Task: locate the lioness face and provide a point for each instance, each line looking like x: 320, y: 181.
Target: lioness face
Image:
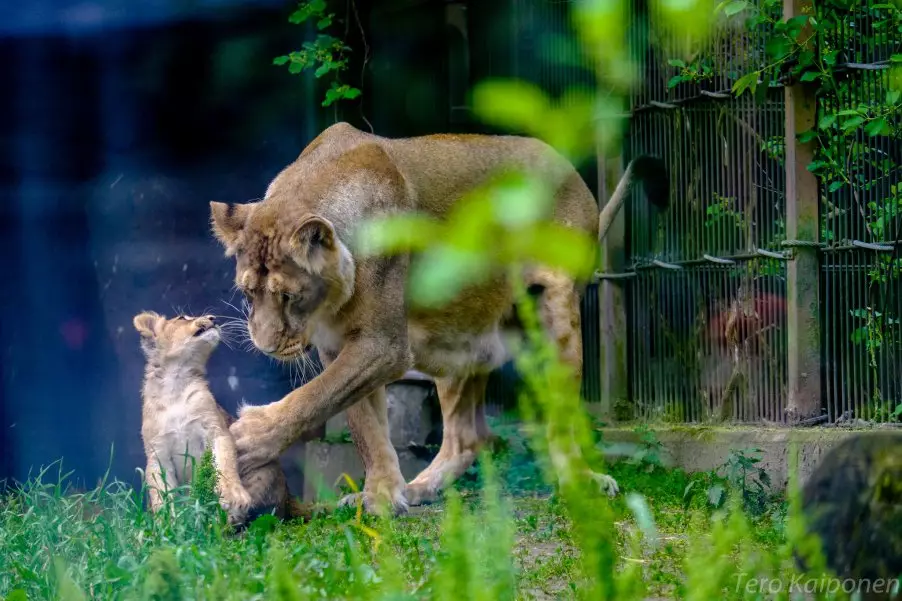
x: 292, y: 273
x: 185, y: 338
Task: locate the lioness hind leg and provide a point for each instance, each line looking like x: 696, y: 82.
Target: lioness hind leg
x: 464, y: 432
x: 559, y: 311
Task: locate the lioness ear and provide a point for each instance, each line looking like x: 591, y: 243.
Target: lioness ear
x: 311, y: 242
x: 145, y: 323
x: 228, y: 220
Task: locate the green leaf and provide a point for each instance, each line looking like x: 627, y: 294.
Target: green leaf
x: 397, y: 234
x: 322, y: 70
x: 511, y: 104
x: 826, y: 122
x: 295, y: 68
x: 675, y: 62
x: 896, y: 58
x: 556, y: 246
x: 735, y: 7
x: 807, y: 136
x: 351, y: 93
x: 848, y: 112
x: 67, y: 590
x: 778, y: 47
x: 860, y: 335
x: 877, y: 127
x: 810, y: 76
x: 323, y: 23
x: 852, y: 123
x: 716, y: 495
x: 893, y: 96
x: 674, y: 81
x: 441, y: 272
x: 280, y: 60
x: 644, y: 517
x: 834, y: 186
x: 19, y: 594
x: 750, y: 80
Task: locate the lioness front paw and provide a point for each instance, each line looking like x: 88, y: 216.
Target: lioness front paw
x: 259, y: 437
x: 421, y: 493
x: 375, y: 504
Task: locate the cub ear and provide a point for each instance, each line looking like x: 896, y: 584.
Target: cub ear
x: 227, y: 221
x: 311, y: 242
x: 145, y: 323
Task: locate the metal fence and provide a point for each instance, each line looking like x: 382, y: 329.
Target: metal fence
x: 726, y: 319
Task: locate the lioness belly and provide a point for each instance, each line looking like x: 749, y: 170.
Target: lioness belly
x: 443, y: 353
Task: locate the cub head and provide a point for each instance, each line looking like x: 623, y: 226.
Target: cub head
x: 182, y: 338
x: 292, y: 269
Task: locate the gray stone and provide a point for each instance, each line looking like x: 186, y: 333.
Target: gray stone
x: 325, y: 463
x: 410, y: 416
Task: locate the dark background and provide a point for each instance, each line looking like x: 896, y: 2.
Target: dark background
x: 120, y: 121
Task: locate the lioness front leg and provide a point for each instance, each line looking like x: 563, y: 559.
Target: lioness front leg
x: 465, y: 432
x: 368, y: 422
x: 361, y: 368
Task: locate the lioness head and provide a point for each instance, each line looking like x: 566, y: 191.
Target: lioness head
x: 183, y: 338
x: 292, y: 269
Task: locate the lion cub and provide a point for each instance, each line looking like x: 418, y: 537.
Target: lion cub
x: 180, y: 414
x: 180, y: 417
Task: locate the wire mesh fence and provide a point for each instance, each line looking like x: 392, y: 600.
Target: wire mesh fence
x: 861, y: 224
x: 707, y: 308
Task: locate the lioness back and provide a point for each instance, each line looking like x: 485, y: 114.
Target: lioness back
x: 437, y: 170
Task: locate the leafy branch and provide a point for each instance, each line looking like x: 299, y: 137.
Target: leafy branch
x: 327, y: 55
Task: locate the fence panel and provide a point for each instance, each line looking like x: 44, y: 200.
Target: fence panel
x: 707, y: 317
x: 861, y: 222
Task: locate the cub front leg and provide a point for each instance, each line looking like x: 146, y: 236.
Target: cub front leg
x: 233, y: 497
x: 153, y: 480
x: 159, y: 477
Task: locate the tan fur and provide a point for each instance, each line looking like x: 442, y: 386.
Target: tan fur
x: 181, y: 419
x: 305, y: 287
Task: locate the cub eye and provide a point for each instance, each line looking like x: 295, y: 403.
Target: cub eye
x: 286, y: 298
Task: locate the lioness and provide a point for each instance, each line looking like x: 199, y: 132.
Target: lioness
x: 181, y: 419
x: 305, y: 287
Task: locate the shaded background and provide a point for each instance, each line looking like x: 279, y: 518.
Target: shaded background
x: 120, y: 121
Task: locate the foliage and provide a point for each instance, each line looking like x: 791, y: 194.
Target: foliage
x: 649, y: 453
x: 205, y: 480
x: 326, y: 54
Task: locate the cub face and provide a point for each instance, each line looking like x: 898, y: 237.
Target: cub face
x: 186, y: 338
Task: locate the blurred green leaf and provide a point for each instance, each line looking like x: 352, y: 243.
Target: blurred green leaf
x: 511, y: 104
x: 396, y: 234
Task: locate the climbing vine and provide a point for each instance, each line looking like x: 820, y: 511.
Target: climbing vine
x: 849, y: 55
x: 327, y: 55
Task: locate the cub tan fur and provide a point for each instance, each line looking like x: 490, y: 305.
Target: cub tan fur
x: 305, y: 287
x: 181, y: 419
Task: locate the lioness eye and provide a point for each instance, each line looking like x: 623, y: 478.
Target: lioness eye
x: 286, y: 298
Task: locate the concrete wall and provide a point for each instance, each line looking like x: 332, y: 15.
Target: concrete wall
x: 700, y: 448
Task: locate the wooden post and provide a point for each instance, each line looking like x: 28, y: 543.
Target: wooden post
x: 612, y: 295
x: 802, y: 272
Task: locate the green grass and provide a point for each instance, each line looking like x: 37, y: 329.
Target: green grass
x: 513, y: 540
